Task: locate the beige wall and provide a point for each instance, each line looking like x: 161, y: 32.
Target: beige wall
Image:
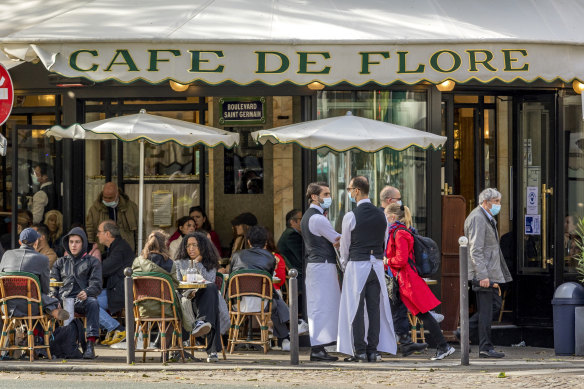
x: 503, y: 161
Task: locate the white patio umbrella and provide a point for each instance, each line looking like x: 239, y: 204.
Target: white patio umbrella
x: 344, y: 133
x: 150, y: 128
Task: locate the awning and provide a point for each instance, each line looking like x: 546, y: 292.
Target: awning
x: 299, y: 41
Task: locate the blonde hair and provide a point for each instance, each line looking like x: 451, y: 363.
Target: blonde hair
x: 401, y: 211
x: 59, y: 216
x: 156, y: 244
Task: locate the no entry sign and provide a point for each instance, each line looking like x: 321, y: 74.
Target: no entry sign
x: 6, y: 94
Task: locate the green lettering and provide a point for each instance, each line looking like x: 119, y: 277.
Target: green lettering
x: 128, y: 61
x: 472, y: 57
x: 196, y: 61
x: 154, y: 58
x: 73, y: 60
x: 262, y: 55
x: 509, y: 61
x: 304, y: 62
x: 365, y: 62
x: 403, y: 66
x: 456, y: 61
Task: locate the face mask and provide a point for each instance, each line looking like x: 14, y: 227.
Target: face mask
x: 35, y: 180
x: 399, y: 202
x: 326, y: 202
x: 352, y: 198
x: 110, y: 204
x: 495, y: 208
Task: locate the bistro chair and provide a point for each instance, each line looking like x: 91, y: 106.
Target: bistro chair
x: 250, y: 284
x: 156, y: 290
x: 417, y: 328
x: 23, y: 286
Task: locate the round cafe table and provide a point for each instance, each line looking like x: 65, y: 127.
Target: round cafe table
x: 192, y: 285
x: 55, y: 284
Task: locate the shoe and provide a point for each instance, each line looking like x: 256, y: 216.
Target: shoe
x: 357, y: 358
x: 491, y: 354
x: 286, y: 345
x: 322, y: 356
x: 410, y: 348
x: 60, y: 314
x: 201, y: 328
x: 119, y: 336
x: 108, y: 338
x: 89, y: 351
x: 441, y: 354
x: 212, y: 357
x: 374, y: 357
x: 437, y: 316
x: 302, y: 327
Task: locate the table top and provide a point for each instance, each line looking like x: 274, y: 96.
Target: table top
x: 192, y: 285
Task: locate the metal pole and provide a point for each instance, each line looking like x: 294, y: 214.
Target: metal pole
x: 141, y: 198
x: 293, y: 293
x: 129, y: 307
x: 15, y: 167
x: 464, y: 334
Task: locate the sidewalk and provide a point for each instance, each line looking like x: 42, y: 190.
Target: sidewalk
x: 518, y: 359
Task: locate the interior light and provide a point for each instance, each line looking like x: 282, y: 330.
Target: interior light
x: 315, y: 85
x: 178, y: 87
x: 578, y: 86
x: 446, y: 86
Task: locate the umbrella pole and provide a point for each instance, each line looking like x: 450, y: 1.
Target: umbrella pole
x: 141, y: 198
x: 347, y: 180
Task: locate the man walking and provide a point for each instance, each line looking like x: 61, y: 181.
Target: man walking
x: 321, y: 280
x: 486, y: 266
x: 362, y: 247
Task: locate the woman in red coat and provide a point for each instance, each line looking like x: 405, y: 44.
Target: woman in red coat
x: 413, y: 291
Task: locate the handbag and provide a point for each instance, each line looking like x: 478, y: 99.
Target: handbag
x: 392, y: 287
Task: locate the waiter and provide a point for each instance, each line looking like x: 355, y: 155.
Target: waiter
x: 321, y: 280
x: 362, y: 244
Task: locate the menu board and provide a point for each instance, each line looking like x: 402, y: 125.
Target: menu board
x: 162, y: 208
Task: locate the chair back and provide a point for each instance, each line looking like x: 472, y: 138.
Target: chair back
x: 220, y: 283
x: 247, y: 282
x: 20, y: 285
x: 154, y: 287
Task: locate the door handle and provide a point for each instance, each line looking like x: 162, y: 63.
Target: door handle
x: 545, y: 191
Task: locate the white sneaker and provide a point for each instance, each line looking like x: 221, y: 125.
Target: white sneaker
x: 302, y: 327
x: 437, y: 316
x: 212, y: 358
x: 285, y: 345
x: 441, y: 354
x: 201, y: 328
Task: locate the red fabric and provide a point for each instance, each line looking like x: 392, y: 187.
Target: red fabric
x: 174, y: 236
x: 413, y: 290
x: 280, y: 271
x: 216, y: 241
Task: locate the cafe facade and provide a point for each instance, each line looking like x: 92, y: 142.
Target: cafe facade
x: 501, y: 81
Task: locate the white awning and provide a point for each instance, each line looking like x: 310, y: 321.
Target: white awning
x: 299, y: 41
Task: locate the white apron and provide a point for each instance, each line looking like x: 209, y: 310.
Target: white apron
x: 356, y: 275
x: 323, y: 296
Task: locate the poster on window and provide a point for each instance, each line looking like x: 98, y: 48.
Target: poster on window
x: 532, y: 224
x: 162, y: 208
x: 532, y: 200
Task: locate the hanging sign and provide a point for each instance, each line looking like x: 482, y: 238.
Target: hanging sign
x: 6, y: 94
x: 243, y: 110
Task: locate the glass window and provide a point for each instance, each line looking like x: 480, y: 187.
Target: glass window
x: 404, y: 170
x: 244, y: 164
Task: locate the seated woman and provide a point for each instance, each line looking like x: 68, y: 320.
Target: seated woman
x: 202, y: 224
x: 241, y: 225
x: 54, y: 222
x: 197, y: 251
x: 185, y: 225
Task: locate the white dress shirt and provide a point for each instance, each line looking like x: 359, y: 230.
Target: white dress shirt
x: 319, y: 225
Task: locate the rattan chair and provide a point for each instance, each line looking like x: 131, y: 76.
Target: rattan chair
x: 157, y: 288
x: 250, y: 283
x: 23, y: 286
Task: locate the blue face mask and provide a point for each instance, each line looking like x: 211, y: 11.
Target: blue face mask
x: 352, y: 198
x: 399, y: 202
x: 326, y: 202
x: 495, y: 209
x: 110, y: 204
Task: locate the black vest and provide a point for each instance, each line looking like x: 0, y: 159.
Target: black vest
x: 52, y: 196
x: 369, y: 234
x: 316, y: 248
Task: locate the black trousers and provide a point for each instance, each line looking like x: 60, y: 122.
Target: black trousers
x: 399, y: 315
x: 206, y: 308
x: 488, y: 304
x: 90, y: 308
x: 370, y: 295
x: 433, y: 327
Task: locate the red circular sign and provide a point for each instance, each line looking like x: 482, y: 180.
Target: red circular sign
x: 6, y: 94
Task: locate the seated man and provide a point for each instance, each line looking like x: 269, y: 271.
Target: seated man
x: 119, y: 256
x: 258, y: 258
x: 81, y: 277
x: 26, y: 259
x: 42, y: 243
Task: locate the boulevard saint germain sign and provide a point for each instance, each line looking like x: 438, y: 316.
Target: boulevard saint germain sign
x: 330, y: 64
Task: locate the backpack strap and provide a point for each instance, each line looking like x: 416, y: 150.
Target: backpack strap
x: 411, y: 259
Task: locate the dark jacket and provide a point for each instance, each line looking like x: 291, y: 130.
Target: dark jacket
x: 80, y: 272
x: 255, y: 259
x: 26, y: 259
x: 119, y: 257
x: 151, y: 308
x: 290, y: 247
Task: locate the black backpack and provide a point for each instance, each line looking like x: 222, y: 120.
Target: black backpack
x: 426, y: 254
x: 67, y: 339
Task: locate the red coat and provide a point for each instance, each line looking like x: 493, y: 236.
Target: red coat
x: 280, y: 271
x: 413, y: 290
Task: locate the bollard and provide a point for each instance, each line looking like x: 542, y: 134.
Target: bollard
x: 464, y: 331
x: 129, y: 307
x: 293, y: 293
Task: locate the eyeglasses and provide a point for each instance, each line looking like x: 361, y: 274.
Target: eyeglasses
x: 349, y: 188
x: 395, y: 198
x: 192, y: 245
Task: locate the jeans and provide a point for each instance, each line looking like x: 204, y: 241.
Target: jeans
x: 90, y: 308
x: 105, y: 320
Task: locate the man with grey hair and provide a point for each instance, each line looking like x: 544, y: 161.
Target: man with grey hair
x: 389, y: 195
x: 118, y: 256
x: 486, y: 267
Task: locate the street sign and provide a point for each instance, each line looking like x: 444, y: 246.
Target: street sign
x: 6, y: 94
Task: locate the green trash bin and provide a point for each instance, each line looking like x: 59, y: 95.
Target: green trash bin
x: 567, y: 297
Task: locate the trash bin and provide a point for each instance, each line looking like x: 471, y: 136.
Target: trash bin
x: 566, y: 298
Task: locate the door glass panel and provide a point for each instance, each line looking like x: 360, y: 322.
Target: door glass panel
x: 490, y: 148
x: 464, y: 155
x: 536, y: 230
x: 574, y: 160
